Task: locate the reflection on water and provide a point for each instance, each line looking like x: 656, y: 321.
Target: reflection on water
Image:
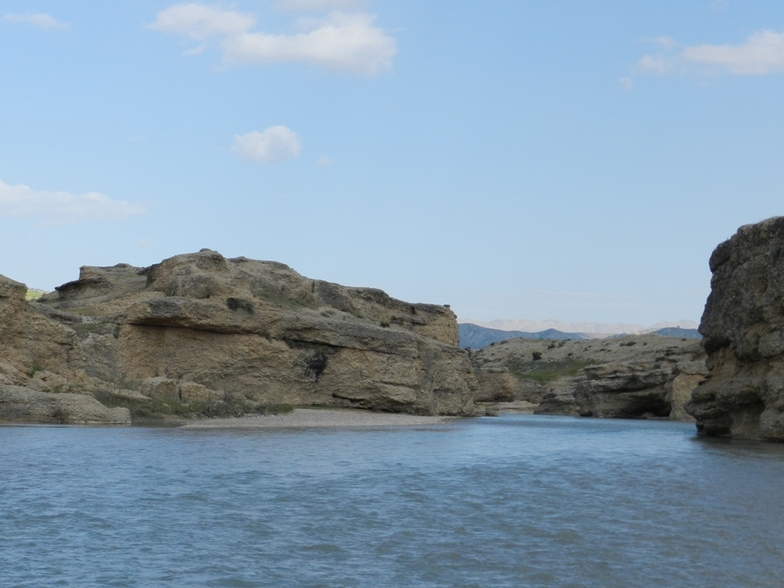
x: 508, y: 501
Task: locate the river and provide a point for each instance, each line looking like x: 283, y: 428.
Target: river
x: 517, y: 500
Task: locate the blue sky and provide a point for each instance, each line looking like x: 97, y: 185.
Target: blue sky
x: 577, y: 160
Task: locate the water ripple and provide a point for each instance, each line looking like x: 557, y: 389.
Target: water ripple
x: 511, y: 501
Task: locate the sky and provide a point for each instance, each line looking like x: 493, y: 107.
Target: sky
x: 577, y: 160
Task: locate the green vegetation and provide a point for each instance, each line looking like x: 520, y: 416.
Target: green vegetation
x: 60, y: 416
x: 35, y: 368
x: 545, y: 371
x: 34, y: 294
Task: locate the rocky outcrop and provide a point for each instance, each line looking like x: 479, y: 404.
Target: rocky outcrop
x: 32, y: 349
x: 639, y: 389
x: 29, y: 340
x: 203, y: 331
x: 642, y: 376
x: 743, y: 330
x: 26, y: 405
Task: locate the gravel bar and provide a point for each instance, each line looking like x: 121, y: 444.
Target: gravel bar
x: 303, y: 418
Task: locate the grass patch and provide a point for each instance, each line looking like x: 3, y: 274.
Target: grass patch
x: 35, y: 368
x: 545, y: 372
x: 34, y: 294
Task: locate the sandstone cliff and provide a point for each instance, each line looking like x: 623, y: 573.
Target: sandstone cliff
x: 743, y: 329
x: 28, y: 391
x: 640, y: 376
x: 202, y: 331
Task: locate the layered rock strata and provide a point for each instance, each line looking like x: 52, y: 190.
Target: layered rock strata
x: 30, y: 392
x: 202, y: 330
x: 743, y: 330
x: 641, y: 376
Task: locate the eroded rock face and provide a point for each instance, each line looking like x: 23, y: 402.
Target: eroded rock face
x: 40, y: 360
x: 200, y: 328
x: 29, y: 340
x: 635, y: 389
x: 743, y: 329
x: 641, y: 376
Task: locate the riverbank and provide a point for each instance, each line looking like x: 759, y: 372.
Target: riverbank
x: 302, y: 418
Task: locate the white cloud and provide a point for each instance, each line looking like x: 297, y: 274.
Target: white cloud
x: 760, y: 54
x: 719, y: 5
x: 626, y: 84
x: 199, y: 21
x: 321, y: 5
x: 38, y: 19
x: 275, y: 144
x: 664, y: 42
x: 344, y: 41
x: 62, y: 208
x: 656, y: 64
x: 323, y: 161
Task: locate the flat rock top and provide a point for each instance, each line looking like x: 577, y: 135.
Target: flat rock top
x: 302, y: 418
x: 590, y: 351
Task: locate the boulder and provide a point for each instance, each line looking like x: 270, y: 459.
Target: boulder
x: 495, y: 385
x: 743, y: 330
x: 24, y: 405
x: 559, y: 400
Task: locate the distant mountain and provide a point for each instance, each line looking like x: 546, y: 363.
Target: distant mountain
x: 678, y: 332
x: 589, y: 329
x: 665, y: 332
x: 476, y: 337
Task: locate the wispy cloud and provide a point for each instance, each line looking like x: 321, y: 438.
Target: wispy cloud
x: 655, y: 64
x: 761, y: 53
x: 321, y: 5
x: 324, y: 161
x: 664, y: 42
x: 62, y: 208
x: 273, y: 145
x: 198, y: 50
x: 344, y: 40
x: 199, y: 21
x: 38, y: 19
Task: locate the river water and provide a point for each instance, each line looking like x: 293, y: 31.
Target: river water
x: 509, y: 501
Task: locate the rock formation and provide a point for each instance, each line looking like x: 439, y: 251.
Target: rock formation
x: 639, y: 389
x: 30, y: 393
x: 204, y: 331
x: 641, y: 376
x: 743, y: 330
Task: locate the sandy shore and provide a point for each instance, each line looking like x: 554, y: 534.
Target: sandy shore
x: 302, y: 418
